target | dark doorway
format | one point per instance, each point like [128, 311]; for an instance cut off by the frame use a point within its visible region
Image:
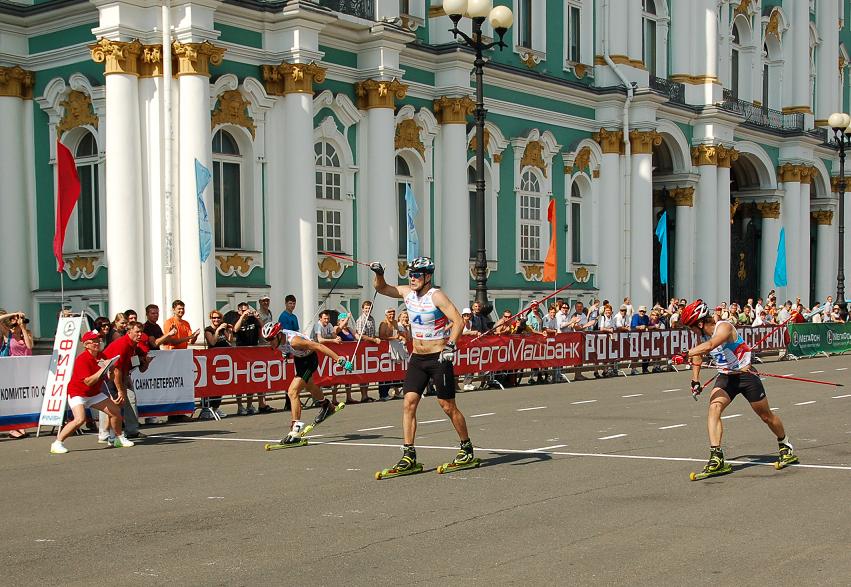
[745, 250]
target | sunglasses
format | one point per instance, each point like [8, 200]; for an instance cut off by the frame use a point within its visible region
[416, 275]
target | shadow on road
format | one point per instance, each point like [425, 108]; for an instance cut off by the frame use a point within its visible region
[514, 458]
[755, 461]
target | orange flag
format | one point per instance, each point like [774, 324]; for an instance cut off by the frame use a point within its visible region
[550, 262]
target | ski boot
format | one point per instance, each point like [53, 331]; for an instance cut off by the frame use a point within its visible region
[716, 466]
[407, 465]
[327, 408]
[464, 459]
[787, 455]
[294, 438]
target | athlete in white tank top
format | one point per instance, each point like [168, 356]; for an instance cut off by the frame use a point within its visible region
[428, 322]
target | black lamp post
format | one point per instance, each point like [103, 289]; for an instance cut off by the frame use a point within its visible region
[840, 122]
[501, 19]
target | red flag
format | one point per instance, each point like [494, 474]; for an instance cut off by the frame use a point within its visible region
[67, 194]
[550, 262]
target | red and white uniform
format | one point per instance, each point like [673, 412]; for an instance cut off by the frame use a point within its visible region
[731, 357]
[428, 322]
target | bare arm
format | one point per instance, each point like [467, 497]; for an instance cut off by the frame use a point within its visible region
[28, 337]
[300, 343]
[451, 312]
[391, 291]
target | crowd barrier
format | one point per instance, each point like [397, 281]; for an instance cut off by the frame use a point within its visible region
[176, 379]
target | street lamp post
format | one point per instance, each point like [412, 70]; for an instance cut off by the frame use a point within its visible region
[500, 18]
[841, 125]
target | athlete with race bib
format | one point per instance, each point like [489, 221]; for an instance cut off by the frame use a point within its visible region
[732, 358]
[434, 351]
[303, 350]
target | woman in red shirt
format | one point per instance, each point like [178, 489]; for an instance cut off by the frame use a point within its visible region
[84, 391]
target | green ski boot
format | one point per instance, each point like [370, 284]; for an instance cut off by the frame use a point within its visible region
[407, 465]
[787, 455]
[464, 459]
[714, 467]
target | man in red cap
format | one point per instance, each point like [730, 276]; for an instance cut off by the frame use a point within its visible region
[119, 383]
[84, 391]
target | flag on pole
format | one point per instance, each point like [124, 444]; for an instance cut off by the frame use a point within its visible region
[411, 211]
[205, 232]
[67, 194]
[662, 235]
[552, 252]
[780, 265]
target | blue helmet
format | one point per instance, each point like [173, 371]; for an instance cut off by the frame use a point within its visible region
[421, 264]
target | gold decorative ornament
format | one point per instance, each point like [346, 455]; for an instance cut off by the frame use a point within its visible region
[743, 8]
[151, 61]
[704, 155]
[568, 169]
[582, 274]
[77, 111]
[117, 56]
[834, 184]
[797, 110]
[82, 266]
[726, 156]
[16, 82]
[379, 94]
[497, 157]
[402, 266]
[196, 58]
[611, 141]
[408, 136]
[487, 135]
[232, 108]
[532, 272]
[695, 80]
[734, 205]
[453, 110]
[291, 78]
[329, 268]
[582, 159]
[769, 209]
[682, 196]
[234, 263]
[580, 69]
[595, 174]
[617, 59]
[529, 60]
[807, 173]
[773, 28]
[742, 273]
[823, 217]
[842, 64]
[533, 156]
[642, 142]
[795, 173]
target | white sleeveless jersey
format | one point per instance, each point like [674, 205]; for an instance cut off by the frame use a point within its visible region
[731, 356]
[286, 347]
[427, 321]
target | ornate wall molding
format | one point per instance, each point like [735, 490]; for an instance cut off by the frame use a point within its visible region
[196, 58]
[16, 82]
[117, 56]
[78, 111]
[533, 156]
[291, 78]
[795, 173]
[769, 209]
[642, 142]
[329, 267]
[582, 274]
[453, 110]
[232, 108]
[834, 184]
[611, 141]
[582, 159]
[83, 265]
[151, 61]
[743, 8]
[704, 155]
[379, 94]
[532, 272]
[237, 262]
[726, 156]
[823, 217]
[682, 196]
[408, 136]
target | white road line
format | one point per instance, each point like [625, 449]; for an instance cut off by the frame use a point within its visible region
[483, 415]
[633, 395]
[673, 426]
[435, 421]
[774, 409]
[814, 372]
[670, 390]
[730, 416]
[842, 368]
[585, 401]
[542, 449]
[454, 448]
[612, 436]
[840, 396]
[787, 375]
[530, 409]
[805, 403]
[376, 428]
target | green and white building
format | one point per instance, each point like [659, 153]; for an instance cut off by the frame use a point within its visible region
[315, 116]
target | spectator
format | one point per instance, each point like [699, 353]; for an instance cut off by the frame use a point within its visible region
[366, 329]
[478, 321]
[152, 329]
[102, 325]
[798, 316]
[815, 314]
[120, 386]
[785, 312]
[288, 320]
[640, 322]
[622, 320]
[593, 316]
[264, 314]
[15, 341]
[323, 331]
[130, 315]
[607, 324]
[246, 333]
[673, 306]
[657, 322]
[387, 330]
[404, 325]
[550, 328]
[218, 334]
[674, 320]
[117, 329]
[344, 331]
[828, 308]
[746, 316]
[578, 319]
[836, 315]
[503, 325]
[627, 301]
[184, 335]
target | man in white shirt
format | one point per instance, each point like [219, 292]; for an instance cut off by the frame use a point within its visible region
[563, 318]
[622, 319]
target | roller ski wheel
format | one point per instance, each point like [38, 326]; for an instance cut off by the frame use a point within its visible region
[282, 445]
[453, 466]
[706, 474]
[394, 472]
[784, 461]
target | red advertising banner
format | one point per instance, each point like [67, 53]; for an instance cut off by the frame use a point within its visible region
[244, 370]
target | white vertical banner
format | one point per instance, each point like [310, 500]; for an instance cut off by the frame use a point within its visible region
[59, 373]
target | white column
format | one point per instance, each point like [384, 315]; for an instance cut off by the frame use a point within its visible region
[700, 48]
[641, 232]
[124, 236]
[723, 239]
[796, 51]
[682, 19]
[634, 26]
[706, 273]
[768, 253]
[277, 209]
[299, 253]
[804, 242]
[15, 292]
[684, 267]
[150, 98]
[618, 37]
[826, 259]
[827, 57]
[792, 221]
[455, 210]
[610, 234]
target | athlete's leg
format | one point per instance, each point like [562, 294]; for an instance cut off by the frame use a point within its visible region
[409, 416]
[315, 391]
[763, 410]
[718, 402]
[455, 415]
[294, 391]
[68, 429]
[113, 412]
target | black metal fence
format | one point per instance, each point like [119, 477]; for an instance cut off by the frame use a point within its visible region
[360, 8]
[761, 116]
[674, 91]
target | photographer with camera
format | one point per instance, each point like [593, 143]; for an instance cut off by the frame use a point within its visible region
[219, 334]
[17, 341]
[246, 332]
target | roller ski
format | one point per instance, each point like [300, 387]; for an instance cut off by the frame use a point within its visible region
[787, 456]
[326, 410]
[463, 460]
[407, 465]
[714, 468]
[293, 439]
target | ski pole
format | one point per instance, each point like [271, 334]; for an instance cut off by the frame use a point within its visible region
[762, 374]
[363, 326]
[344, 258]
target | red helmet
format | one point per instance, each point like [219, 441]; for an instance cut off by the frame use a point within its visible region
[694, 313]
[270, 330]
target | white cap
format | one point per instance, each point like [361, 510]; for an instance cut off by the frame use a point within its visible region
[466, 311]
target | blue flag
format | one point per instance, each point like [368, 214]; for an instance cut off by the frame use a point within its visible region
[662, 235]
[780, 264]
[411, 211]
[205, 233]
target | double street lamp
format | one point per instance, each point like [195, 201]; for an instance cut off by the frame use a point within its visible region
[841, 125]
[500, 18]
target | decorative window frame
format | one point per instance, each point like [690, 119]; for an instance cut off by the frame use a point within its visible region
[583, 164]
[78, 264]
[252, 149]
[772, 37]
[495, 144]
[747, 57]
[586, 41]
[663, 21]
[328, 132]
[538, 52]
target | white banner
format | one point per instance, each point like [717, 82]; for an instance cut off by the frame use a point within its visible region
[166, 387]
[59, 375]
[21, 390]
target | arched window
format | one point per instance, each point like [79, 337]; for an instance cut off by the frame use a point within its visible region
[88, 206]
[329, 208]
[734, 61]
[531, 219]
[227, 191]
[649, 19]
[404, 182]
[575, 223]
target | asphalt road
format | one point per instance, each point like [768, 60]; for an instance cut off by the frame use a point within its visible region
[583, 483]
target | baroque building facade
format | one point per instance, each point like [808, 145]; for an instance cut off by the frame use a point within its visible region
[315, 118]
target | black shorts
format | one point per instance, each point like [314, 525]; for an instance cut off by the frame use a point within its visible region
[747, 384]
[425, 368]
[305, 367]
